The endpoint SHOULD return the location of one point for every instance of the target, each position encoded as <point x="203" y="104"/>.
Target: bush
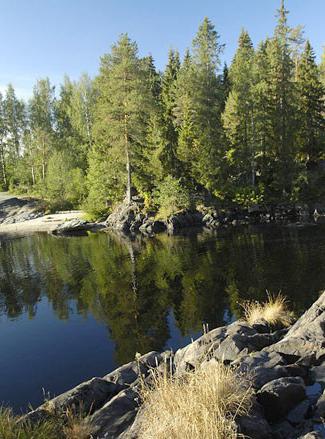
<point x="171" y="197"/>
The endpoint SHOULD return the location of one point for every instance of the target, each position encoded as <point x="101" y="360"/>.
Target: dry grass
<point x="199" y="404"/>
<point x="274" y="311"/>
<point x="55" y="428"/>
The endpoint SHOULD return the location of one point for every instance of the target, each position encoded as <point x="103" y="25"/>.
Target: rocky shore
<point x="132" y="218"/>
<point x="287" y="368"/>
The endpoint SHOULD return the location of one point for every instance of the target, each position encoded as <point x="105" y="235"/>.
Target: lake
<point x="76" y="307"/>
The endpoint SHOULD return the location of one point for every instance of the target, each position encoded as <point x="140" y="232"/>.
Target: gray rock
<point x="318" y="373"/>
<point x="298" y="413"/>
<point x="129" y="373"/>
<point x="306" y="337"/>
<point x="74" y="226"/>
<point x="279" y="396"/>
<point x="320" y="407"/>
<point x="115" y="417"/>
<point x="312" y="435"/>
<point x="263" y="366"/>
<point x="86" y="398"/>
<point x="254" y="425"/>
<point x="125" y="217"/>
<point x="283" y="430"/>
<point x="184" y="219"/>
<point x="226" y="344"/>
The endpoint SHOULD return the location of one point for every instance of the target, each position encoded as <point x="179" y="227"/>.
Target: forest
<point x="199" y="132"/>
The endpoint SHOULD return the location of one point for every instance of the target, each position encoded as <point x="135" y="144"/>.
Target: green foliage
<point x="65" y="184"/>
<point x="257" y="124"/>
<point x="171" y="197"/>
<point x="249" y="196"/>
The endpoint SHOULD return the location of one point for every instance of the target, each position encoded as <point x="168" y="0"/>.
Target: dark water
<point x="73" y="308"/>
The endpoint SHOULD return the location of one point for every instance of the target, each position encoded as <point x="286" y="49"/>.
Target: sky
<point x="51" y="38"/>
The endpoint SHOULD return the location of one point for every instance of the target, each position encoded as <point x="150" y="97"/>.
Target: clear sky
<point x="51" y="38"/>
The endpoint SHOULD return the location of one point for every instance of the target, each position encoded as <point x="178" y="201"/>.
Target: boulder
<point x="226" y="344"/>
<point x="87" y="397"/>
<point x="126" y="217"/>
<point x="254" y="425"/>
<point x="129" y="373"/>
<point x="298" y="414"/>
<point x="306" y="337"/>
<point x="184" y="219"/>
<point x="116" y="416"/>
<point x="74" y="226"/>
<point x="279" y="396"/>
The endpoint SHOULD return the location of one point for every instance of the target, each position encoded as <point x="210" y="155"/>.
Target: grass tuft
<point x="72" y="427"/>
<point x="199" y="404"/>
<point x="274" y="311"/>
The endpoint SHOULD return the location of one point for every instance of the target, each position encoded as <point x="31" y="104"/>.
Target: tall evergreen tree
<point x="238" y="117"/>
<point x="310" y="107"/>
<point x="120" y="127"/>
<point x="198" y="105"/>
<point x="170" y="135"/>
<point x="282" y="107"/>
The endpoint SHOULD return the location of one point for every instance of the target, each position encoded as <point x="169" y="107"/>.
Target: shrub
<point x="195" y="405"/>
<point x="171" y="197"/>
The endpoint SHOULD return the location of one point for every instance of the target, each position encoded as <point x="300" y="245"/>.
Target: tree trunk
<point x="3" y="169"/>
<point x="33" y="176"/>
<point x="128" y="165"/>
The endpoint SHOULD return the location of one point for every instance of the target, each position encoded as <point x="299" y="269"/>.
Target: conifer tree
<point x="238" y="117"/>
<point x="310" y="107"/>
<point x="282" y="107"/>
<point x="170" y="136"/>
<point x="198" y="105"/>
<point x="121" y="120"/>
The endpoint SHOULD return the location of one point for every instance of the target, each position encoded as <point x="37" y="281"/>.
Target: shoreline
<point x="286" y="366"/>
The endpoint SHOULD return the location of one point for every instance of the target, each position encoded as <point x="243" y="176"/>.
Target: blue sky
<point x="51" y="38"/>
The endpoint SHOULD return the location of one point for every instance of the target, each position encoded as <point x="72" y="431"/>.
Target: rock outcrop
<point x="287" y="368"/>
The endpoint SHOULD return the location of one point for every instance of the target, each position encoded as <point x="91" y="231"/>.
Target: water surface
<point x="73" y="308"/>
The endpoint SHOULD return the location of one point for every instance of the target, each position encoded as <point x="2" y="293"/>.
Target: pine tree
<point x="310" y="107"/>
<point x="121" y="118"/>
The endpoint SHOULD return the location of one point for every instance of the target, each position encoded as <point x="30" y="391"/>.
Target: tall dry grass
<point x="196" y="405"/>
<point x="274" y="310"/>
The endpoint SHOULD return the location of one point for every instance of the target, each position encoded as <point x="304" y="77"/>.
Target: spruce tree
<point x="282" y="108"/>
<point x="238" y="117"/>
<point x="198" y="105"/>
<point x="169" y="157"/>
<point x="310" y="107"/>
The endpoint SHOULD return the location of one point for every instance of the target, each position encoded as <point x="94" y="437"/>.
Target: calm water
<point x="73" y="308"/>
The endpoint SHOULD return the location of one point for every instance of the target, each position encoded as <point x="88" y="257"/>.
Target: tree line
<point x="198" y="132"/>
